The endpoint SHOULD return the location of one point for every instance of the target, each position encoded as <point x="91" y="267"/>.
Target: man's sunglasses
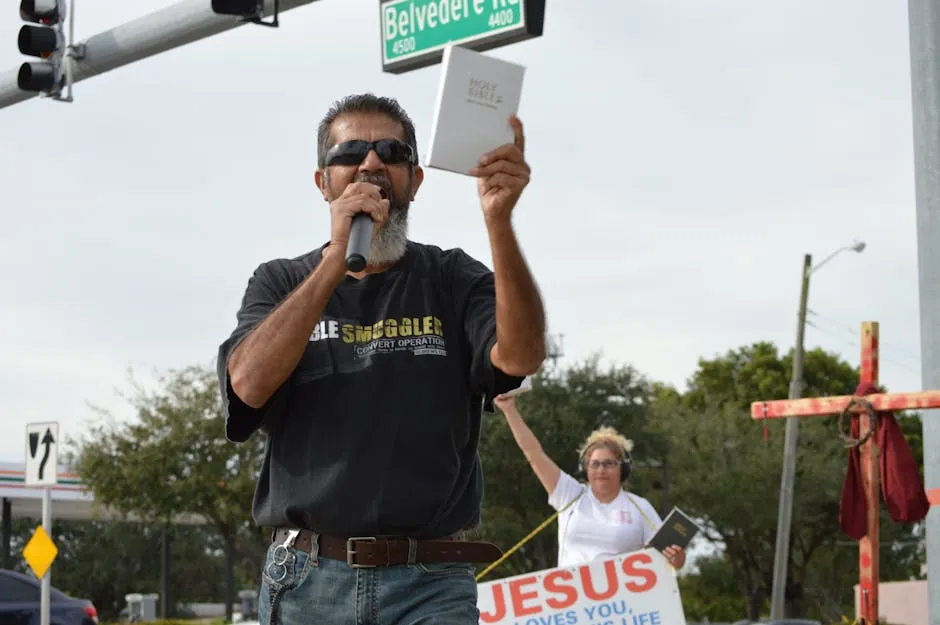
<point x="390" y="151"/>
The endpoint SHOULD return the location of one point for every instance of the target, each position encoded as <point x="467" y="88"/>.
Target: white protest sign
<point x="637" y="588"/>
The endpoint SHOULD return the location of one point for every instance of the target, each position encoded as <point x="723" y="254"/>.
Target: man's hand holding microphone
<point x="355" y="214"/>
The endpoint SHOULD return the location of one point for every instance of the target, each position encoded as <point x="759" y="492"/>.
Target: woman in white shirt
<point x="598" y="519"/>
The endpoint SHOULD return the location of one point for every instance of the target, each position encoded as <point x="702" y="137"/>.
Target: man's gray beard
<point x="390" y="242"/>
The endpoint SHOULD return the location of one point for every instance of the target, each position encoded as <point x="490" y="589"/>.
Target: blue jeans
<point x="300" y="589"/>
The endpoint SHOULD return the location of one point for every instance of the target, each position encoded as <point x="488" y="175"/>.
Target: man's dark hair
<point x="363" y="103"/>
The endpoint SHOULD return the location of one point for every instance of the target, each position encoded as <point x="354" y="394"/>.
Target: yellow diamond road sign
<point x="39" y="552"/>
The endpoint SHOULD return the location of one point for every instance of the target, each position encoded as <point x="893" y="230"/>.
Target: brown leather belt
<point x="362" y="552"/>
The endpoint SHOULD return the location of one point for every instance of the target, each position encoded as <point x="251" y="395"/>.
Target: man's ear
<point x="320" y="178"/>
<point x="416" y="181"/>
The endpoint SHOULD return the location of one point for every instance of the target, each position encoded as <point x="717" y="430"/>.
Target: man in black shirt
<point x="370" y="386"/>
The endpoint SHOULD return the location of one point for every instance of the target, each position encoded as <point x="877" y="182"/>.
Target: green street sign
<point x="415" y="32"/>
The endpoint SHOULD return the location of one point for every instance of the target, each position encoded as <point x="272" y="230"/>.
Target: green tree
<point x="561" y="411"/>
<point x="726" y="471"/>
<point x="711" y="592"/>
<point x="173" y="459"/>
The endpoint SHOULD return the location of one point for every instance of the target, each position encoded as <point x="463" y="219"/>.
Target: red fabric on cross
<point x="852" y="517"/>
<point x="901" y="485"/>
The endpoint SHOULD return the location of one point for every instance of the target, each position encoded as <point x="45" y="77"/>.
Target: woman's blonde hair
<point x="605" y="436"/>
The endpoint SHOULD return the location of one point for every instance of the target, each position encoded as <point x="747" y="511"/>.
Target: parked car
<point x="20" y="600"/>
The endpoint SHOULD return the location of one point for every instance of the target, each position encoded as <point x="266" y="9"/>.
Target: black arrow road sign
<point x="48" y="441"/>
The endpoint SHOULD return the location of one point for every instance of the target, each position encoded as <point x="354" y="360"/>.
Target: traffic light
<point x="47" y="42"/>
<point x="249" y="10"/>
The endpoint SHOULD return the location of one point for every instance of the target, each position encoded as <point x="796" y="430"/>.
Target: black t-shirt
<point x="376" y="432"/>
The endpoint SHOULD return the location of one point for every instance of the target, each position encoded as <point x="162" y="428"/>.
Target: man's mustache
<point x="383" y="183"/>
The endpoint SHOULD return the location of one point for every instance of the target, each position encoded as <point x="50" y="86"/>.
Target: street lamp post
<point x="791" y="439"/>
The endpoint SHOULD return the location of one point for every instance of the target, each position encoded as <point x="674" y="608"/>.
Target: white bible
<point x="476" y="96"/>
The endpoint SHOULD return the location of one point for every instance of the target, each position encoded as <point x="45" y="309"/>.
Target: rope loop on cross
<point x="845" y="431"/>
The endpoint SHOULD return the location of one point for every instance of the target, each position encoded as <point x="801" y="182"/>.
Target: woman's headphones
<point x="626" y="464"/>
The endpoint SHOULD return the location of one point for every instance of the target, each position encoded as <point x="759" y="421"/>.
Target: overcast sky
<point x="685" y="156"/>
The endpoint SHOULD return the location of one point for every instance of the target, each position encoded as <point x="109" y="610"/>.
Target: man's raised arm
<point x="265" y="358"/>
<point x="520" y="318"/>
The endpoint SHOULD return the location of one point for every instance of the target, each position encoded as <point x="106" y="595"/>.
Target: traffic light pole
<point x="924" y="29"/>
<point x="168" y="28"/>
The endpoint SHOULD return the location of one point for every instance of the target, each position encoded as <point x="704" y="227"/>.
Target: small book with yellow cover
<point x="677" y="529"/>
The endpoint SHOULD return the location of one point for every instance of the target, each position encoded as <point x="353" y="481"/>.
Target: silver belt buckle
<point x="350" y="552"/>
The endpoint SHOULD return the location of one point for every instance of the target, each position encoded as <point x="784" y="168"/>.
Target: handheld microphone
<point x="360" y="242"/>
<point x="360" y="239"/>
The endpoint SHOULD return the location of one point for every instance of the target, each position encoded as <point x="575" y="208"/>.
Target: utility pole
<point x="924" y="17"/>
<point x="788" y="475"/>
<point x="168" y="28"/>
<point x="554" y="349"/>
<point x="791" y="441"/>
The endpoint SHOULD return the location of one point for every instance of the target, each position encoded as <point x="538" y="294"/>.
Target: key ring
<point x="277" y="572"/>
<point x="281" y="557"/>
